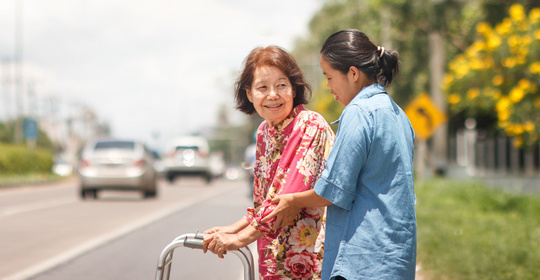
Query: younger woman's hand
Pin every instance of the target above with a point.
(285, 211)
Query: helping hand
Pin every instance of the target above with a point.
(285, 211)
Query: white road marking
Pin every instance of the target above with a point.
(35, 206)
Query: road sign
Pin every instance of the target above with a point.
(425, 117)
(30, 129)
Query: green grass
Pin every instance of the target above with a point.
(31, 178)
(469, 231)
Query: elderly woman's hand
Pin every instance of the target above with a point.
(219, 242)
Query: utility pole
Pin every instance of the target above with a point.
(436, 66)
(18, 71)
(5, 88)
(439, 148)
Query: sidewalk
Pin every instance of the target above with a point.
(518, 183)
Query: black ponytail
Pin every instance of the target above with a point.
(352, 47)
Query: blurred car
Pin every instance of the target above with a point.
(117, 165)
(62, 167)
(187, 156)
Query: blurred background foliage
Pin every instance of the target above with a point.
(405, 25)
(498, 76)
(21, 159)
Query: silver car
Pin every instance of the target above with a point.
(187, 156)
(117, 165)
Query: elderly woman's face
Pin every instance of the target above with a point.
(272, 94)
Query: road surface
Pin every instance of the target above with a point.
(48, 232)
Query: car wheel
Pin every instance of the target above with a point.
(83, 194)
(170, 178)
(94, 194)
(208, 178)
(150, 194)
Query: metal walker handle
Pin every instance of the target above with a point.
(195, 241)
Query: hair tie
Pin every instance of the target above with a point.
(381, 49)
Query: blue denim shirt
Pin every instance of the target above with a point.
(371, 226)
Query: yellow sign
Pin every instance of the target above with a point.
(425, 117)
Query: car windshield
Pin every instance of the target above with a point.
(121, 145)
(181, 148)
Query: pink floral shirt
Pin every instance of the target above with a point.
(290, 158)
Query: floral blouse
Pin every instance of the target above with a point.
(290, 158)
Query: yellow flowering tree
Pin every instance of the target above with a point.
(499, 74)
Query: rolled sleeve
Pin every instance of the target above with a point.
(338, 183)
(254, 217)
(333, 193)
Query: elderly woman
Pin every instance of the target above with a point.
(292, 146)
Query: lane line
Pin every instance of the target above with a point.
(36, 206)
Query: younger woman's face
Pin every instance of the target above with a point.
(343, 86)
(272, 94)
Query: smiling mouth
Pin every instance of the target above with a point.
(273, 107)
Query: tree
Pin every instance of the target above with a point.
(499, 76)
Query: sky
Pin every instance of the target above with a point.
(151, 69)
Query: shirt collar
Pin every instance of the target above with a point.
(288, 120)
(365, 93)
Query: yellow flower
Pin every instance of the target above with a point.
(504, 27)
(483, 28)
(534, 15)
(454, 98)
(509, 62)
(537, 34)
(517, 129)
(462, 70)
(477, 64)
(535, 67)
(503, 104)
(516, 94)
(493, 42)
(514, 41)
(497, 80)
(503, 116)
(529, 126)
(517, 12)
(472, 93)
(524, 84)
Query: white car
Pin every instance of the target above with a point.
(117, 165)
(187, 156)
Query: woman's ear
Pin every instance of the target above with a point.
(354, 73)
(248, 94)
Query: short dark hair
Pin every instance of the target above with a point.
(352, 47)
(276, 57)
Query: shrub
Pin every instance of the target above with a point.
(16, 159)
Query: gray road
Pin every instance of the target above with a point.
(48, 233)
